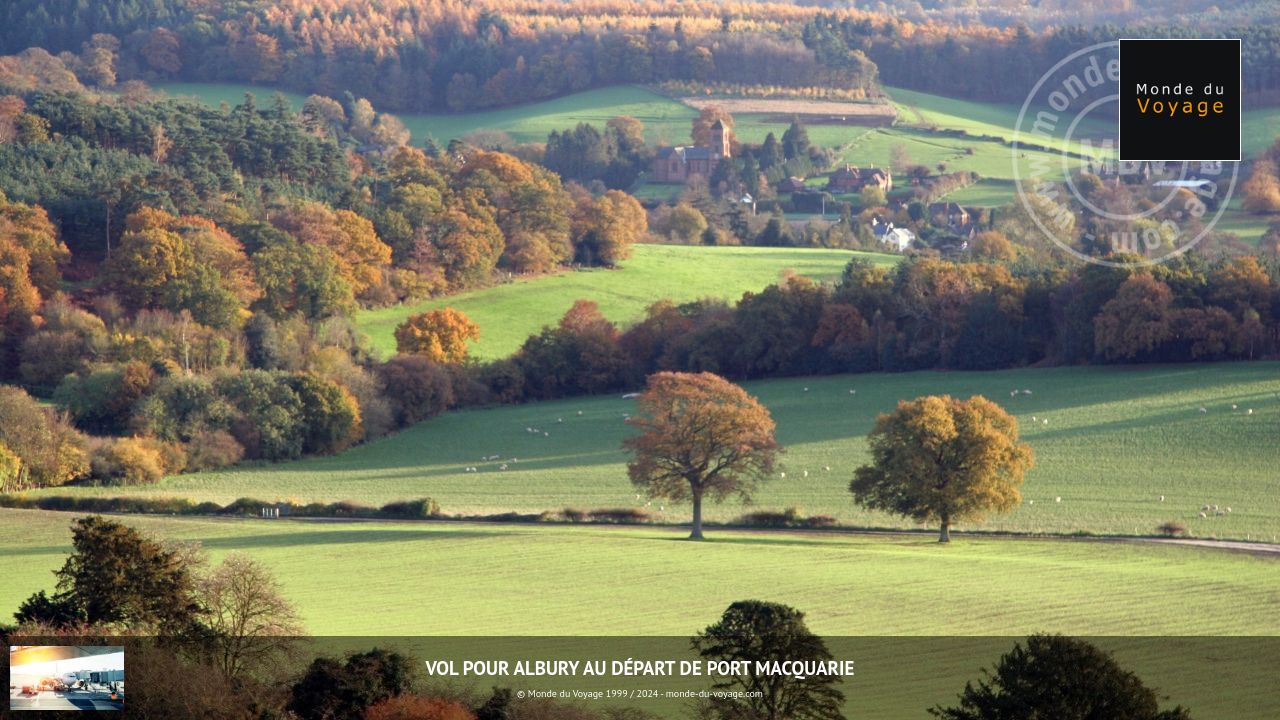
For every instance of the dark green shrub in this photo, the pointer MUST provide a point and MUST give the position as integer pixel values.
(421, 508)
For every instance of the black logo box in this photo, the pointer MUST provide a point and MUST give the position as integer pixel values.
(1191, 64)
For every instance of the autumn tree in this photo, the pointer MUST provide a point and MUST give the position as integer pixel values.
(684, 224)
(992, 245)
(252, 626)
(1137, 321)
(765, 632)
(1051, 676)
(871, 196)
(50, 451)
(1261, 190)
(439, 335)
(161, 50)
(707, 117)
(298, 278)
(606, 227)
(362, 258)
(700, 436)
(940, 459)
(417, 707)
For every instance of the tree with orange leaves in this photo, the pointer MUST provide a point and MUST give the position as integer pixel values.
(939, 458)
(417, 707)
(440, 335)
(700, 436)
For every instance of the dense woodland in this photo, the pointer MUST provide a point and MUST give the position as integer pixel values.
(417, 55)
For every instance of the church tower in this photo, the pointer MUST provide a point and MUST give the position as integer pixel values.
(721, 139)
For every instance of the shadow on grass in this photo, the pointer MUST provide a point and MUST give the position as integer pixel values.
(342, 537)
(763, 540)
(34, 550)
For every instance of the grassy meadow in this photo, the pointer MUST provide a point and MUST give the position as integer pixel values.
(1109, 442)
(478, 579)
(510, 313)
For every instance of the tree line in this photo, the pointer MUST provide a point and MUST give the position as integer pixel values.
(412, 55)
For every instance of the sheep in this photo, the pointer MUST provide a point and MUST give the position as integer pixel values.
(1204, 507)
(1204, 410)
(546, 434)
(782, 475)
(804, 473)
(559, 419)
(826, 468)
(1215, 508)
(1046, 421)
(1219, 513)
(806, 389)
(1031, 502)
(503, 466)
(1249, 411)
(1228, 508)
(1203, 515)
(853, 392)
(1057, 499)
(1234, 406)
(1026, 392)
(579, 413)
(1013, 393)
(1033, 419)
(1161, 498)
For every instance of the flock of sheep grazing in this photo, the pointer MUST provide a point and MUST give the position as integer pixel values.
(1206, 510)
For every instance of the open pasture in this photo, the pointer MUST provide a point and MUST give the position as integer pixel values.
(511, 312)
(1110, 442)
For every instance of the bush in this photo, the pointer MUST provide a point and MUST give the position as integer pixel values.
(416, 707)
(789, 518)
(574, 515)
(421, 508)
(417, 388)
(51, 452)
(1173, 528)
(505, 381)
(126, 461)
(212, 450)
(620, 515)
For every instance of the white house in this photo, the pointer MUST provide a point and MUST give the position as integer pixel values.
(899, 238)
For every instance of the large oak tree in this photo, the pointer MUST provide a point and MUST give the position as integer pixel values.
(941, 459)
(700, 436)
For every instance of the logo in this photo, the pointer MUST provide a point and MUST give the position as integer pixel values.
(1077, 191)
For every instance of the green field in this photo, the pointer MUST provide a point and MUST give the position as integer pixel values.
(476, 579)
(1117, 439)
(510, 313)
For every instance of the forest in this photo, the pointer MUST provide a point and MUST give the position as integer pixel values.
(413, 55)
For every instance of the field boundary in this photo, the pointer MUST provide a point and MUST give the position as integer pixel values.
(539, 519)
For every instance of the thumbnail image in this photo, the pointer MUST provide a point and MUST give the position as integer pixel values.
(66, 677)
